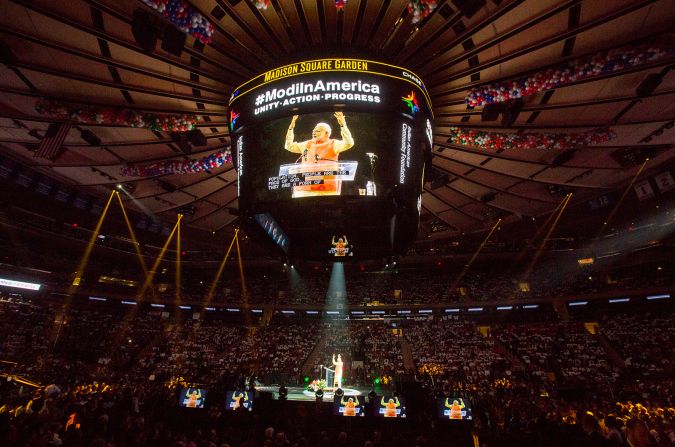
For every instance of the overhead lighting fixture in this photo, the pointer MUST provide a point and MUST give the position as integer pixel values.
(187, 210)
(144, 30)
(97, 298)
(160, 306)
(530, 306)
(504, 307)
(475, 309)
(453, 310)
(658, 297)
(619, 300)
(577, 303)
(131, 303)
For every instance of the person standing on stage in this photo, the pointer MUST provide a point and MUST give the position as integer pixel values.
(337, 377)
(320, 148)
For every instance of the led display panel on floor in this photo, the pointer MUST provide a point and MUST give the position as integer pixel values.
(454, 409)
(236, 399)
(348, 406)
(192, 398)
(390, 407)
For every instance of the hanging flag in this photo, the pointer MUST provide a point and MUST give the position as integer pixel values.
(51, 145)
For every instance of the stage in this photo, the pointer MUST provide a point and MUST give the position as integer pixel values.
(301, 394)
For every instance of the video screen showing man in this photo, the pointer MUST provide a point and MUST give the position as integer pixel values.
(320, 153)
(348, 406)
(238, 400)
(192, 398)
(391, 407)
(341, 247)
(455, 409)
(324, 154)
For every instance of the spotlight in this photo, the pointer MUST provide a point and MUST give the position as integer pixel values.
(491, 112)
(511, 112)
(187, 210)
(181, 140)
(144, 30)
(173, 41)
(339, 393)
(648, 85)
(196, 138)
(126, 187)
(90, 137)
(166, 186)
(7, 56)
(283, 392)
(318, 394)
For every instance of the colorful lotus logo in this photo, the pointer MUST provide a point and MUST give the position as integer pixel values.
(233, 118)
(411, 101)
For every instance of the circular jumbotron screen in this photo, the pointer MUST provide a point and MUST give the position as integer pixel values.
(331, 133)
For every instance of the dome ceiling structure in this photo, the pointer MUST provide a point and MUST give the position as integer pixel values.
(84, 52)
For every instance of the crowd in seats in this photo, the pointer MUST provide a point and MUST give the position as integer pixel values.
(268, 285)
(282, 348)
(195, 351)
(565, 349)
(419, 286)
(454, 352)
(369, 349)
(569, 394)
(24, 333)
(644, 342)
(206, 351)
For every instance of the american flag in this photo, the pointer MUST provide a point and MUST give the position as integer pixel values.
(50, 146)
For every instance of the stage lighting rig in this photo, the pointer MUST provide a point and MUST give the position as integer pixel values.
(187, 210)
(126, 187)
(283, 392)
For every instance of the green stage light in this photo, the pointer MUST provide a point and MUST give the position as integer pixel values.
(377, 380)
(306, 379)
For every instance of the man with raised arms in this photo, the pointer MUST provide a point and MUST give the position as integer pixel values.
(319, 151)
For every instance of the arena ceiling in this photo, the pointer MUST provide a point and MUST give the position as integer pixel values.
(83, 51)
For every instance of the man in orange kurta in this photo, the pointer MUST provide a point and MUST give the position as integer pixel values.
(320, 151)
